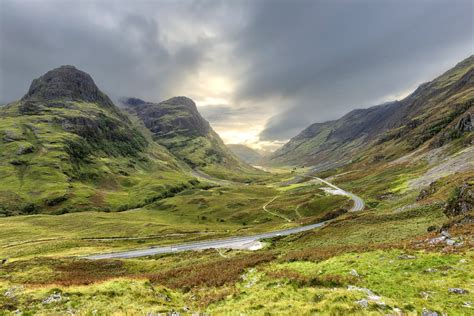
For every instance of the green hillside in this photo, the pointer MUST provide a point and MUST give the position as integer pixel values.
(65, 147)
(429, 117)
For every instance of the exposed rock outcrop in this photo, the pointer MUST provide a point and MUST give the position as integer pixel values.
(462, 201)
(176, 116)
(66, 83)
(465, 124)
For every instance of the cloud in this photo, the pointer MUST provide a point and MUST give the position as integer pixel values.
(260, 71)
(324, 58)
(127, 50)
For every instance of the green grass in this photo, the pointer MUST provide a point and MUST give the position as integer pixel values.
(79, 157)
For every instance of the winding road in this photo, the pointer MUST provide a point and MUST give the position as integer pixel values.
(251, 242)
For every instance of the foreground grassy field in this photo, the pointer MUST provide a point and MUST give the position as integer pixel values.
(382, 260)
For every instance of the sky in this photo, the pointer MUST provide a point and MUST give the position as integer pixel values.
(260, 71)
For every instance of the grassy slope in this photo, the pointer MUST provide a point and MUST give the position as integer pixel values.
(305, 273)
(51, 168)
(426, 117)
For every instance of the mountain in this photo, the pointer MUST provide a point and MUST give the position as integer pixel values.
(177, 125)
(65, 147)
(436, 113)
(247, 154)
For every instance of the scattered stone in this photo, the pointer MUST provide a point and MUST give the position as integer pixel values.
(53, 298)
(430, 270)
(363, 302)
(4, 261)
(450, 242)
(463, 261)
(456, 290)
(353, 272)
(425, 295)
(9, 294)
(426, 192)
(186, 309)
(467, 304)
(361, 289)
(446, 234)
(406, 257)
(437, 240)
(427, 312)
(23, 150)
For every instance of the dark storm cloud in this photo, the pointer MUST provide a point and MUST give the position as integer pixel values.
(123, 50)
(324, 58)
(289, 63)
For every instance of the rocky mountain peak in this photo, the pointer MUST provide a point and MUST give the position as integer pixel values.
(180, 100)
(69, 83)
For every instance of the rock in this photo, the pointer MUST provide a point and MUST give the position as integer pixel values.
(370, 295)
(186, 309)
(25, 149)
(446, 234)
(427, 312)
(467, 304)
(66, 83)
(9, 294)
(353, 272)
(363, 302)
(426, 192)
(53, 298)
(456, 290)
(425, 295)
(463, 261)
(450, 242)
(406, 257)
(430, 270)
(3, 261)
(437, 240)
(461, 202)
(465, 124)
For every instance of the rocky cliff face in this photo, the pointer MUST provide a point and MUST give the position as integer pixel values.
(170, 118)
(177, 125)
(66, 83)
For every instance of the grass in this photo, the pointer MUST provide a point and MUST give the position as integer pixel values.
(79, 157)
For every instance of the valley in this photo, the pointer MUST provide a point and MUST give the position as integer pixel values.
(142, 209)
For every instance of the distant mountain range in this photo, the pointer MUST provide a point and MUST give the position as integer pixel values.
(436, 113)
(247, 154)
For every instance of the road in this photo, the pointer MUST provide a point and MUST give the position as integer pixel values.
(244, 242)
(358, 202)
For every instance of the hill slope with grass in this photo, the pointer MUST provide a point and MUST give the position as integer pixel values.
(177, 125)
(436, 113)
(65, 147)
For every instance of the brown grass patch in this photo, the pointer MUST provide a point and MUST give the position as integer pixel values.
(329, 280)
(215, 273)
(84, 272)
